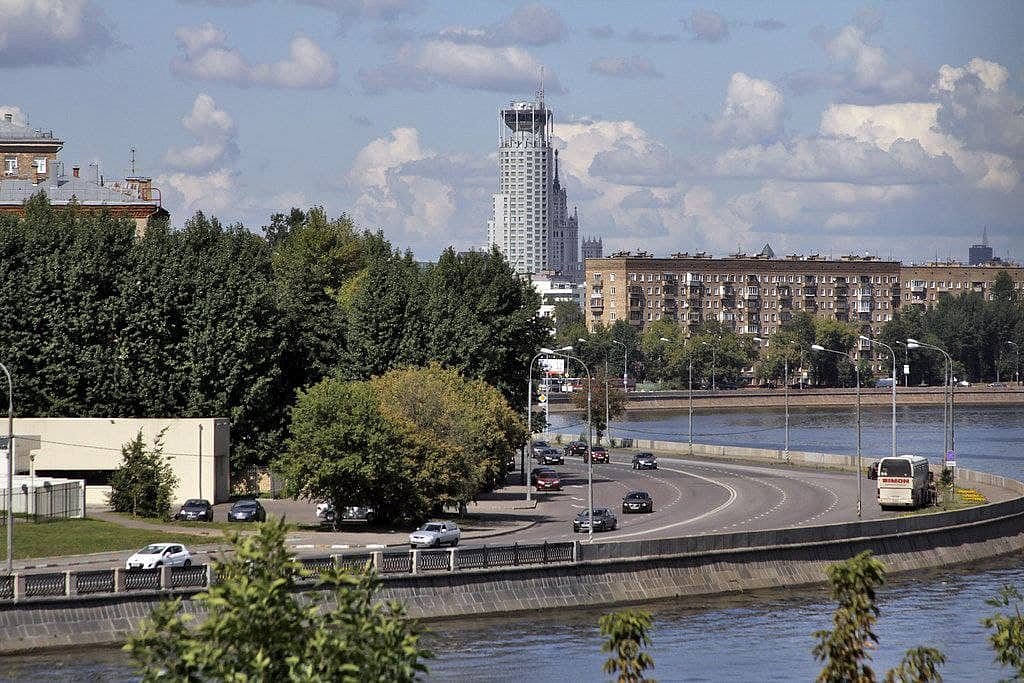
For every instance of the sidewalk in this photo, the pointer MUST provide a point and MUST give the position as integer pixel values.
(497, 514)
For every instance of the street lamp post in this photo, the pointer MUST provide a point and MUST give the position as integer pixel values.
(893, 352)
(856, 370)
(529, 418)
(1016, 363)
(607, 421)
(10, 470)
(948, 437)
(200, 461)
(906, 363)
(785, 391)
(689, 397)
(590, 438)
(625, 364)
(713, 362)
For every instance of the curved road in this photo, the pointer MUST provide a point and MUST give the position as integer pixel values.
(699, 497)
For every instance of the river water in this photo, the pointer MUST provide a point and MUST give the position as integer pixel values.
(764, 636)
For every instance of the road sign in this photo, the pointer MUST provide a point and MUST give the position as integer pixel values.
(950, 459)
(906, 369)
(542, 398)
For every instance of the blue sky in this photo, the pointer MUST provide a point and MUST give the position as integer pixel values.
(819, 127)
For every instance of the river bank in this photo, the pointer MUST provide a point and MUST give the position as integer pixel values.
(806, 398)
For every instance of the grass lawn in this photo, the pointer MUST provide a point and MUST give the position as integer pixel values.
(207, 526)
(81, 536)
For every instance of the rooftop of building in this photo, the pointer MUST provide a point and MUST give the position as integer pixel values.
(11, 131)
(63, 190)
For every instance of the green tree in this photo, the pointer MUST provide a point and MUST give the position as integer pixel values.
(144, 484)
(567, 315)
(405, 443)
(828, 368)
(845, 648)
(1002, 287)
(655, 351)
(1007, 637)
(626, 635)
(605, 391)
(718, 352)
(257, 628)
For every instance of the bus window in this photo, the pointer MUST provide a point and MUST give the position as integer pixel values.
(894, 468)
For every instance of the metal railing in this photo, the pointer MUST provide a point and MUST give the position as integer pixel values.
(98, 581)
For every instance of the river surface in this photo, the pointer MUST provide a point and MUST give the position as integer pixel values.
(762, 636)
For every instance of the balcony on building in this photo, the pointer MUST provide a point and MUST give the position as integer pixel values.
(863, 345)
(726, 317)
(917, 287)
(668, 304)
(636, 304)
(694, 317)
(753, 329)
(810, 291)
(865, 306)
(752, 293)
(842, 291)
(785, 316)
(785, 292)
(727, 292)
(842, 306)
(597, 303)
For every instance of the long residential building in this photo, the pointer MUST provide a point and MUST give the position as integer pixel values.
(758, 294)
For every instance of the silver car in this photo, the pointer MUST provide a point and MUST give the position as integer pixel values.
(435, 534)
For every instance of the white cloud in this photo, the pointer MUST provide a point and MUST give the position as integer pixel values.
(707, 26)
(214, 131)
(207, 58)
(871, 74)
(62, 32)
(502, 69)
(977, 108)
(753, 110)
(211, 193)
(17, 115)
(359, 10)
(531, 24)
(625, 67)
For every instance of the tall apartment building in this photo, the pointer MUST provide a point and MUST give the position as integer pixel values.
(30, 166)
(980, 254)
(925, 285)
(530, 221)
(752, 295)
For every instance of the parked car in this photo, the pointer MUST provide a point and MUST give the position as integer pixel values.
(576, 448)
(326, 513)
(537, 446)
(434, 534)
(599, 453)
(637, 501)
(247, 510)
(645, 461)
(604, 520)
(195, 510)
(160, 555)
(998, 385)
(537, 471)
(550, 456)
(963, 383)
(547, 480)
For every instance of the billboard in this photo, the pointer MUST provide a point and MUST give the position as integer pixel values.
(553, 366)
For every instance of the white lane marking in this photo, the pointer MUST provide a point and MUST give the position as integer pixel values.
(729, 501)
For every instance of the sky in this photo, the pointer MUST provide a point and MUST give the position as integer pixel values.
(895, 129)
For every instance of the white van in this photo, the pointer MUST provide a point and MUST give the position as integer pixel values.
(903, 481)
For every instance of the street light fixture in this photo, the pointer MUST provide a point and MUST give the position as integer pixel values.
(893, 352)
(713, 362)
(529, 414)
(785, 389)
(1016, 364)
(10, 470)
(625, 364)
(906, 363)
(856, 370)
(607, 420)
(948, 436)
(590, 438)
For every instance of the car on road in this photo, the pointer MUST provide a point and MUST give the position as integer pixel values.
(538, 470)
(576, 448)
(645, 461)
(247, 510)
(599, 453)
(326, 513)
(604, 520)
(160, 555)
(537, 446)
(435, 534)
(637, 501)
(997, 385)
(550, 456)
(546, 479)
(195, 510)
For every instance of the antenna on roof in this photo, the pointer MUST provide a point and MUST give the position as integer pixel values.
(133, 161)
(540, 87)
(984, 236)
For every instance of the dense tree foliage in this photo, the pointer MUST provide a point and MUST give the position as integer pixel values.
(983, 337)
(144, 484)
(405, 443)
(213, 320)
(258, 628)
(1007, 637)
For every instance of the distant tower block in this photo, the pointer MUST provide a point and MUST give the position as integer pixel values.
(592, 248)
(980, 254)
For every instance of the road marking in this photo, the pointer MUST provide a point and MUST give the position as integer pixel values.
(305, 546)
(375, 546)
(340, 546)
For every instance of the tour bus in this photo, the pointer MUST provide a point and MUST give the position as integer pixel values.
(903, 481)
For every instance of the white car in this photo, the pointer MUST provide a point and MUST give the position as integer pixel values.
(434, 534)
(160, 555)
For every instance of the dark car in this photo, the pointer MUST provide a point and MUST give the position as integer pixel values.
(537, 446)
(576, 448)
(637, 501)
(547, 480)
(195, 510)
(645, 461)
(604, 520)
(599, 453)
(247, 510)
(550, 456)
(537, 471)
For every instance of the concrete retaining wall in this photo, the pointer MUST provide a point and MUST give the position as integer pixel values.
(606, 573)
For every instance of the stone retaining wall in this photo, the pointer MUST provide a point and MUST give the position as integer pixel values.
(609, 573)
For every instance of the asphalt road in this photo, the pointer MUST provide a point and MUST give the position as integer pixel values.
(698, 497)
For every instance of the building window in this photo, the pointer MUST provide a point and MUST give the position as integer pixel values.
(10, 165)
(611, 278)
(40, 164)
